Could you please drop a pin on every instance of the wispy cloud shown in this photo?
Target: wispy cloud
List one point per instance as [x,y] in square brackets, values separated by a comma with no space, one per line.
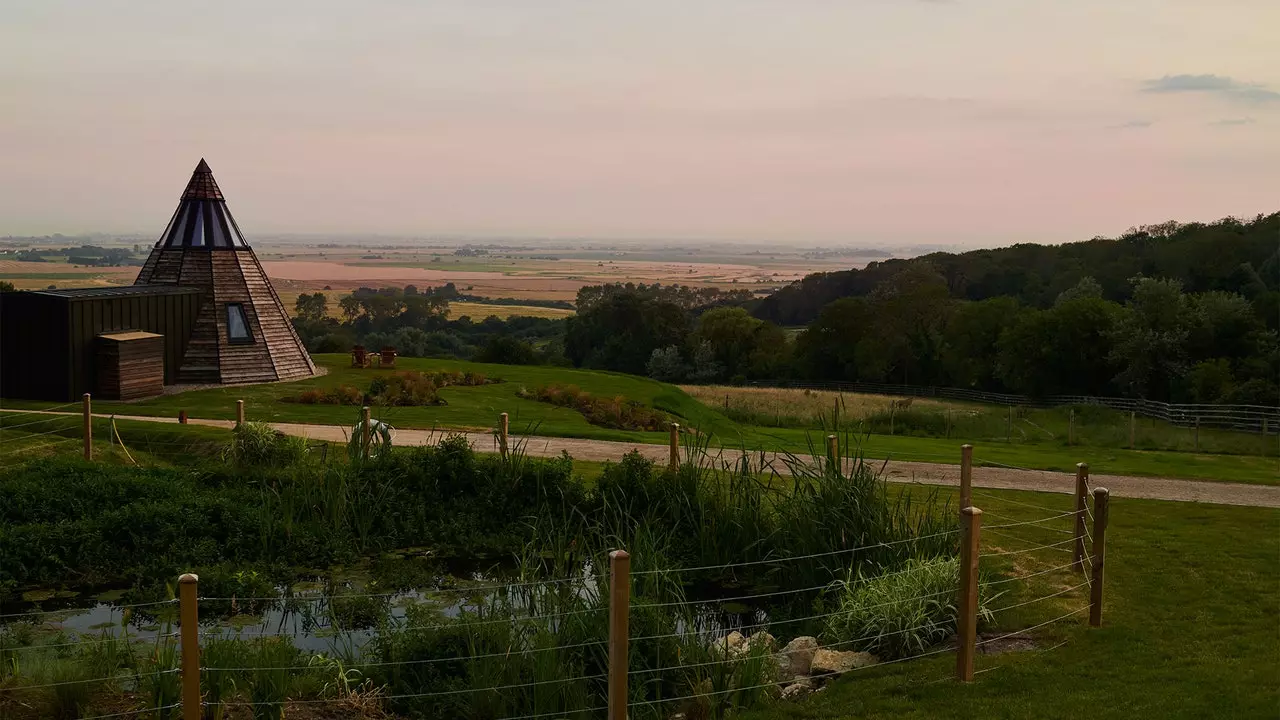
[1213,84]
[1131,125]
[1229,122]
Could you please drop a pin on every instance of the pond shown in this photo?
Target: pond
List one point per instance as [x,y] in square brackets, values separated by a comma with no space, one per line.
[340,611]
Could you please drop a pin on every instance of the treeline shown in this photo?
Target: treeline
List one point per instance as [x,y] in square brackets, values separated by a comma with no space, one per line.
[416,323]
[1228,255]
[1160,342]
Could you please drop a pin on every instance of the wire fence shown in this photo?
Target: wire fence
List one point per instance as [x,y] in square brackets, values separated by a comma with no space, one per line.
[701,628]
[1249,418]
[746,661]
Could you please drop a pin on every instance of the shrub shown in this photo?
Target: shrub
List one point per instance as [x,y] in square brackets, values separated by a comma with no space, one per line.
[901,613]
[341,395]
[618,412]
[416,388]
[255,444]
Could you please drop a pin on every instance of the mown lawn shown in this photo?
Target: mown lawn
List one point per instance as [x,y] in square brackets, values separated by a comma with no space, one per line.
[1191,612]
[478,408]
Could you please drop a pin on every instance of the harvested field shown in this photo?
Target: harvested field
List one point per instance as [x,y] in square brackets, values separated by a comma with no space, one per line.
[807,407]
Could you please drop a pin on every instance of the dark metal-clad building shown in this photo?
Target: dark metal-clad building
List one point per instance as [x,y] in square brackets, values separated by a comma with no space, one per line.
[48,338]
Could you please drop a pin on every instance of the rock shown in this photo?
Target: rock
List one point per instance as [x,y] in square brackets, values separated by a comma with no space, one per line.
[760,640]
[801,687]
[733,640]
[797,657]
[835,661]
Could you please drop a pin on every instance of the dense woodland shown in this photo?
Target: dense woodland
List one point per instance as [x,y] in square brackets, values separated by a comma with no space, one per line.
[1187,313]
[1167,312]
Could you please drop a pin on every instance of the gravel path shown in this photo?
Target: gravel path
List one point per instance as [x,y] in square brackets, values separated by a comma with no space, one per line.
[895,470]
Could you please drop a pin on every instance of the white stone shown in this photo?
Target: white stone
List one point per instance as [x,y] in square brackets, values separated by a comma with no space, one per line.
[760,640]
[797,657]
[835,661]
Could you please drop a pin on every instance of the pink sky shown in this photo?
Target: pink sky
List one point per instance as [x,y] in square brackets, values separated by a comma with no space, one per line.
[791,121]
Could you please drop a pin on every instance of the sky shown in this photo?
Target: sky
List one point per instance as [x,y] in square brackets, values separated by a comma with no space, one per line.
[859,122]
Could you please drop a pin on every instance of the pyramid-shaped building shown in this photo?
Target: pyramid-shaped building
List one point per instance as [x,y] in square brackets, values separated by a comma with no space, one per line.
[241,332]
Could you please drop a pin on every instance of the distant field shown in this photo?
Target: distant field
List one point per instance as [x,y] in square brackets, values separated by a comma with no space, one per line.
[484,310]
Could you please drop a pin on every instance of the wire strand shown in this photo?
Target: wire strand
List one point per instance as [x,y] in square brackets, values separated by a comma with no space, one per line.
[756,687]
[90,641]
[89,682]
[1024,577]
[1033,627]
[1050,546]
[428,661]
[112,608]
[1039,599]
[797,557]
[482,588]
[779,653]
[134,712]
[441,693]
[1031,522]
[795,620]
[459,625]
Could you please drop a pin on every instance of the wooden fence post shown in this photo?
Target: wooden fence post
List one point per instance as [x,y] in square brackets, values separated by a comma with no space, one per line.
[1101,502]
[1133,429]
[190,632]
[619,614]
[833,450]
[504,427]
[673,442]
[182,417]
[1009,427]
[365,432]
[948,422]
[966,476]
[87,407]
[1082,500]
[967,621]
[239,412]
[1071,428]
[1197,433]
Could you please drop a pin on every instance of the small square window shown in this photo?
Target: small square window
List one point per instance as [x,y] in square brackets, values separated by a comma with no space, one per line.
[237,324]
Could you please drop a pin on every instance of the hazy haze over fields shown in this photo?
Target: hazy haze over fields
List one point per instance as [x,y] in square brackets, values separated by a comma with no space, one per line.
[871,122]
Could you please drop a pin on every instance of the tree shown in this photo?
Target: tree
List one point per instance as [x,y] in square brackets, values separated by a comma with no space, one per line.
[826,348]
[312,306]
[621,330]
[1066,349]
[506,350]
[1150,339]
[6,286]
[667,365]
[1086,288]
[970,350]
[731,333]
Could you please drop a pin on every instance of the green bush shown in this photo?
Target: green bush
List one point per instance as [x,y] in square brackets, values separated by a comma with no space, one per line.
[257,444]
[900,613]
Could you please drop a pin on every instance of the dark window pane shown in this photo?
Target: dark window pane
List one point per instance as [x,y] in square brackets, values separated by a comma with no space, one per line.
[237,323]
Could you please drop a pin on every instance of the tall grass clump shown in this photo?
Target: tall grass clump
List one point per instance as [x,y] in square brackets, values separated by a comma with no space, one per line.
[270,680]
[255,444]
[159,679]
[902,613]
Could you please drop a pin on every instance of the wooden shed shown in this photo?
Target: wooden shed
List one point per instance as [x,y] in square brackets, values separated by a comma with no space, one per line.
[48,338]
[130,365]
